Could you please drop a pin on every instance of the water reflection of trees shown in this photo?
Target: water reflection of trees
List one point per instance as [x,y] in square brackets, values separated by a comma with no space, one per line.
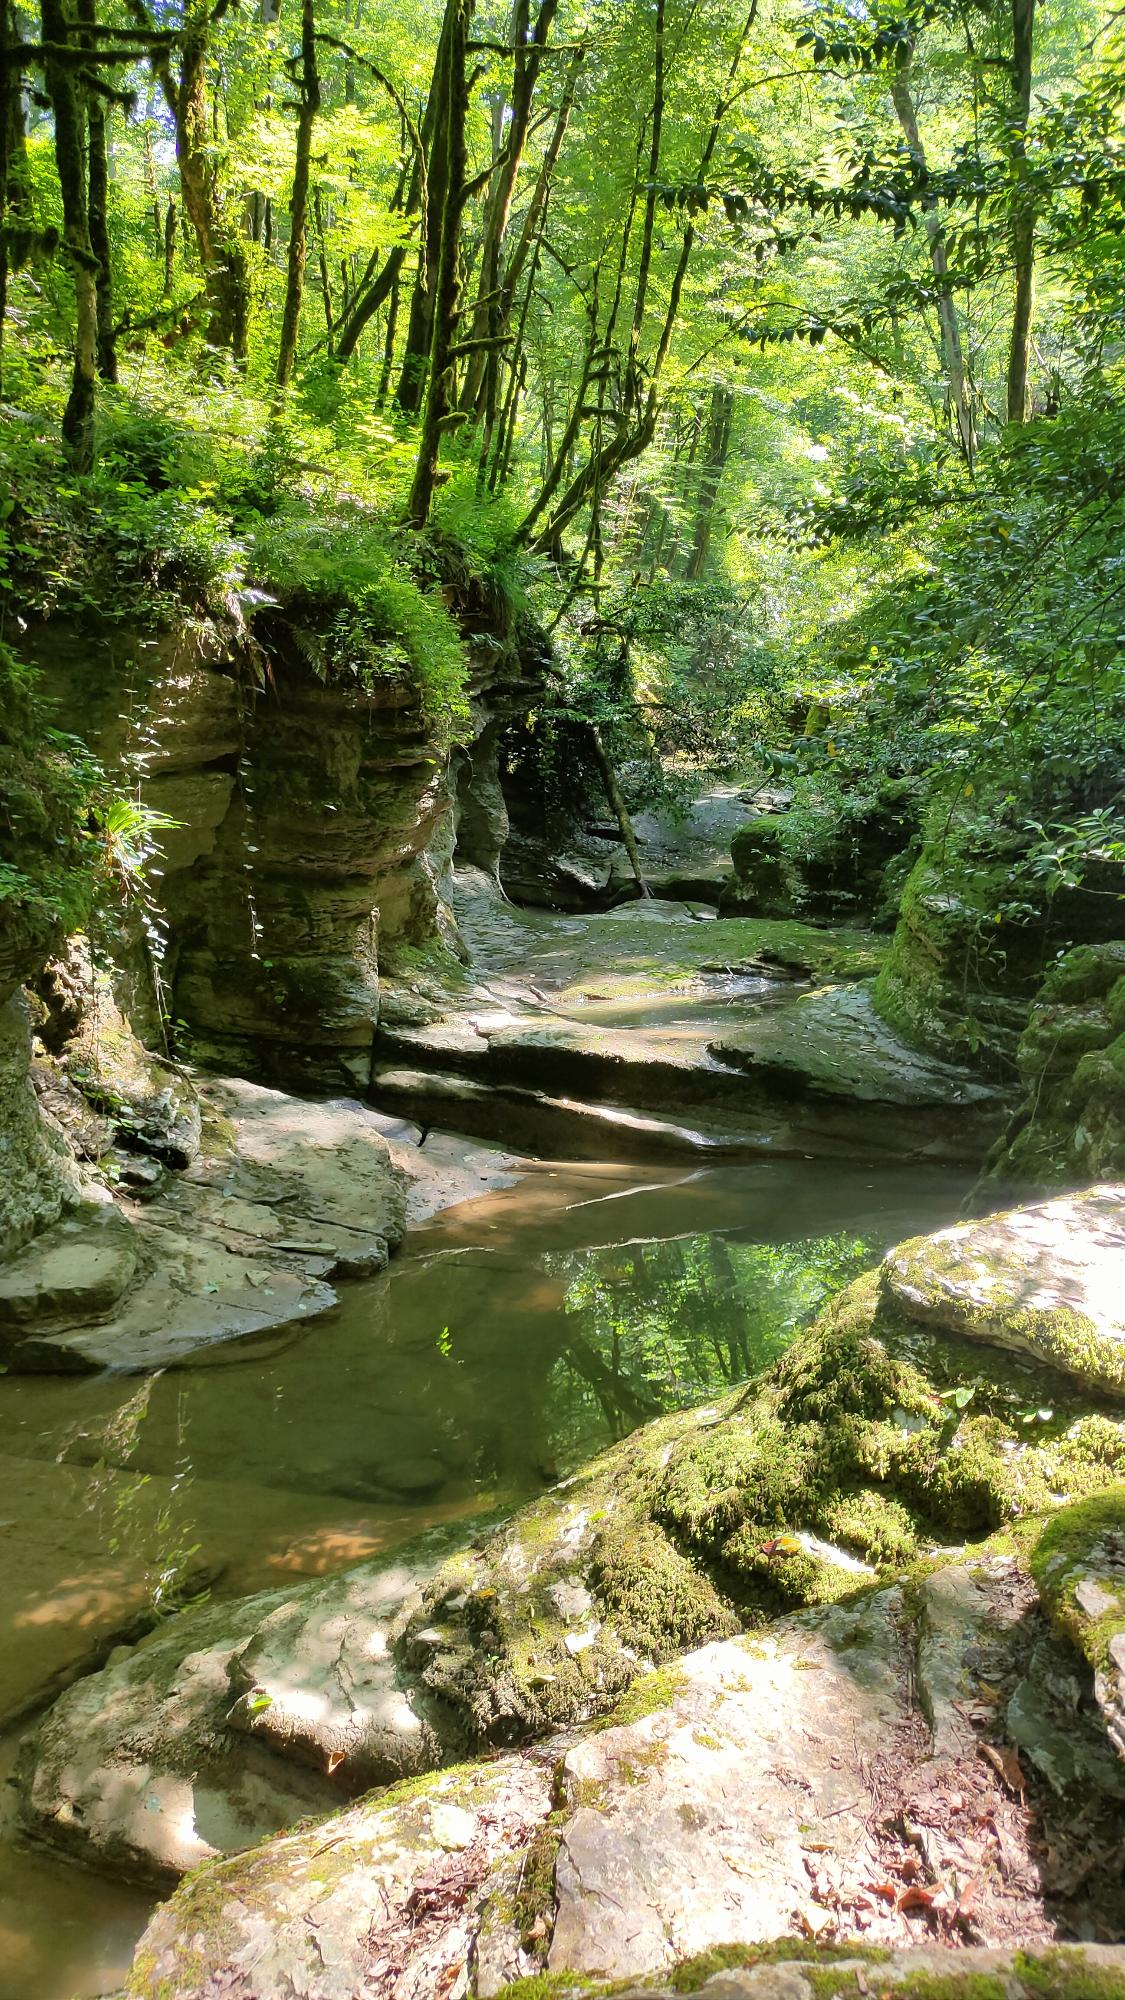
[654,1325]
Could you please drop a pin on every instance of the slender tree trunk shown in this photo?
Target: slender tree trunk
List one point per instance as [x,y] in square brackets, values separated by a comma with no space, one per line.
[527,61]
[98,203]
[59,76]
[12,147]
[1023,212]
[714,461]
[221,252]
[325,275]
[619,808]
[384,388]
[299,200]
[952,352]
[438,412]
[363,310]
[435,134]
[171,217]
[644,264]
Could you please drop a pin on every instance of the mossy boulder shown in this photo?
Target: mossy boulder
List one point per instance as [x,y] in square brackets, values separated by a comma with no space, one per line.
[973,942]
[762,884]
[1069,1125]
[868,1444]
[761,1782]
[1044,1280]
[1079,1565]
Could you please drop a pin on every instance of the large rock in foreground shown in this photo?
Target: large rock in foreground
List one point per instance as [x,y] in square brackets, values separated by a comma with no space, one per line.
[1048,1281]
[849,1774]
[871,1444]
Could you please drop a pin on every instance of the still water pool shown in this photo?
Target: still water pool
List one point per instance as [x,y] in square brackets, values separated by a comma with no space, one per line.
[515,1336]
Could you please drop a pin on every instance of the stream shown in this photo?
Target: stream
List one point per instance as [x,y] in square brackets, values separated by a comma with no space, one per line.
[515,1336]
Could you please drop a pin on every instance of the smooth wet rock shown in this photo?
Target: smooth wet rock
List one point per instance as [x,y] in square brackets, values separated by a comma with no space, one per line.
[1047,1280]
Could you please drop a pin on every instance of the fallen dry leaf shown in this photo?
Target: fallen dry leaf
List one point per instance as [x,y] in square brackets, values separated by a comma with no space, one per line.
[1005,1761]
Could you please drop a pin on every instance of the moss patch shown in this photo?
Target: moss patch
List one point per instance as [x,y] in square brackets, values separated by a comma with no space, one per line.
[868,1434]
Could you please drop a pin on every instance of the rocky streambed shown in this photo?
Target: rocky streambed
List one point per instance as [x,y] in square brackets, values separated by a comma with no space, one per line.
[838,1655]
[646,1566]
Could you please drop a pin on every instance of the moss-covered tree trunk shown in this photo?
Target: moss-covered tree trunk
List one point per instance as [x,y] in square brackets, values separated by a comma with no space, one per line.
[436,137]
[70,160]
[13,149]
[221,251]
[98,200]
[710,478]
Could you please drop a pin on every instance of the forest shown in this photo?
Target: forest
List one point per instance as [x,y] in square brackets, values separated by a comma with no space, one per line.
[562,707]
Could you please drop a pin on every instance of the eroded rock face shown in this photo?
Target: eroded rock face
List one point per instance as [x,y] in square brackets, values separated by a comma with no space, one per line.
[1070,1124]
[38,1177]
[306,851]
[1047,1280]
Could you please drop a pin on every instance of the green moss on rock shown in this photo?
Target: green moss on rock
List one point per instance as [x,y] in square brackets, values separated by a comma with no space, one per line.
[867,1436]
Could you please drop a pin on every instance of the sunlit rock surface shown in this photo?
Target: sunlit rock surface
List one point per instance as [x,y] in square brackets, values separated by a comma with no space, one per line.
[826,1778]
[1047,1280]
[870,1445]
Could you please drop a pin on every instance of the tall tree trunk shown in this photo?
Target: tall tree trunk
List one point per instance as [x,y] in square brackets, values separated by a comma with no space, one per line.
[644,263]
[171,217]
[438,411]
[98,203]
[953,357]
[299,199]
[1023,212]
[13,184]
[707,491]
[59,76]
[325,275]
[528,44]
[221,251]
[435,135]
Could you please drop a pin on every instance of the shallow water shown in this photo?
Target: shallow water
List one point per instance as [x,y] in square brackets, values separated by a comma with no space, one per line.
[515,1336]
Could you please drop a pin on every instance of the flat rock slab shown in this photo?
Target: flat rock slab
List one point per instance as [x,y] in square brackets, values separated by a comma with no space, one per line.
[700,1818]
[80,1267]
[287,1196]
[1047,1281]
[835,1043]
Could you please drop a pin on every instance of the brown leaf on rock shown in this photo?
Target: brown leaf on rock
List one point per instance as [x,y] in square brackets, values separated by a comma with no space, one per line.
[1005,1761]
